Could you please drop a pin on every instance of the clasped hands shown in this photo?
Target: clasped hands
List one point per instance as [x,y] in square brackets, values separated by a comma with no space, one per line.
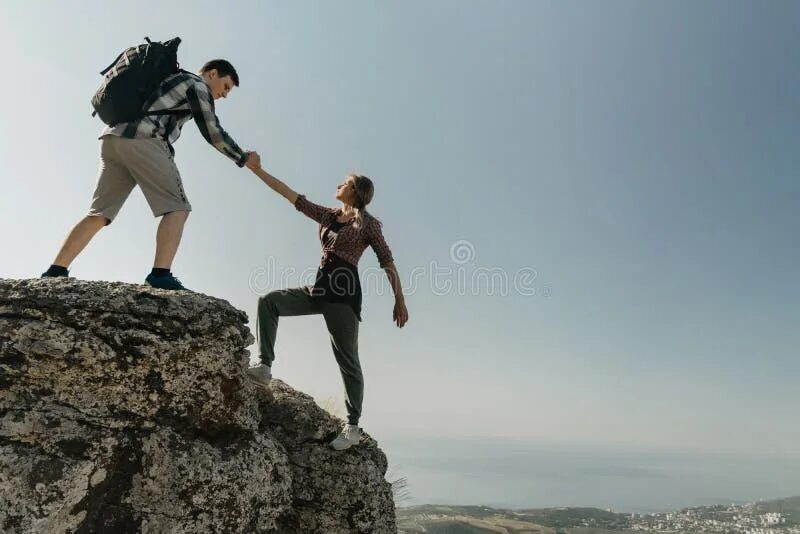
[253,161]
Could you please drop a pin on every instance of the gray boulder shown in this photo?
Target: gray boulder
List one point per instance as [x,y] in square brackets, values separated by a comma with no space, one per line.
[125,409]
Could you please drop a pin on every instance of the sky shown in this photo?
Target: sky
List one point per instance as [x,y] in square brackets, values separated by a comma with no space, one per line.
[627,171]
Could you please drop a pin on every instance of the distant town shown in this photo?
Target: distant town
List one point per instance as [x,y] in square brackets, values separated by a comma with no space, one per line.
[781,516]
[748,519]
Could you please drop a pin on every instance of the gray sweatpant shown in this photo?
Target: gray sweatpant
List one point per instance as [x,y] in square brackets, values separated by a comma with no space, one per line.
[342,325]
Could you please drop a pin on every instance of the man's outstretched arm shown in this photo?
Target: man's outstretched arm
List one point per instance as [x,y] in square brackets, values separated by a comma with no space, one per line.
[202,105]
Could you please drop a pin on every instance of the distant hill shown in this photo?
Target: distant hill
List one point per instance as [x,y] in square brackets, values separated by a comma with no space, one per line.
[451,519]
[482,519]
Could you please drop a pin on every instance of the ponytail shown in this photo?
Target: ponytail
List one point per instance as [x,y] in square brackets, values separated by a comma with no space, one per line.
[365,190]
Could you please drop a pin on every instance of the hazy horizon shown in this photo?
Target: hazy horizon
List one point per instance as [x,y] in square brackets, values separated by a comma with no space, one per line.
[523,475]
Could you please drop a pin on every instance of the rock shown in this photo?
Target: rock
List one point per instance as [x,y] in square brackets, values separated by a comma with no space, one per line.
[125,408]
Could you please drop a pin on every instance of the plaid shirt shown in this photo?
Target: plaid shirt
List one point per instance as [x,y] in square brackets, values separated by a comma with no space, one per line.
[187,92]
[350,242]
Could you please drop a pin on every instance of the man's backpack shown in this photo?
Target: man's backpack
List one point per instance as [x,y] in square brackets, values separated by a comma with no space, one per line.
[132,79]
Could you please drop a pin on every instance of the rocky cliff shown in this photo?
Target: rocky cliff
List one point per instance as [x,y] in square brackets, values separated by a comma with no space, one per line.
[125,409]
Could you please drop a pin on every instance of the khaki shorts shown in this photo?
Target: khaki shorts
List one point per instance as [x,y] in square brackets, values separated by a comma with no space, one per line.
[146,162]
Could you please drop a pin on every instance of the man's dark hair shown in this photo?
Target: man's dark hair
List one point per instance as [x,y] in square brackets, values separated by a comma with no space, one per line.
[224,68]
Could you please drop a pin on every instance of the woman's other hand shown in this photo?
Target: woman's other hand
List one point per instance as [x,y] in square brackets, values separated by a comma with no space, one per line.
[400,313]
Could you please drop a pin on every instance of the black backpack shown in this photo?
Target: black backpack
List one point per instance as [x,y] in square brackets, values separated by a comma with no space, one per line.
[132,79]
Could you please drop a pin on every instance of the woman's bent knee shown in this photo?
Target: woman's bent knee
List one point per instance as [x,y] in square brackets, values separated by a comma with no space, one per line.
[268,299]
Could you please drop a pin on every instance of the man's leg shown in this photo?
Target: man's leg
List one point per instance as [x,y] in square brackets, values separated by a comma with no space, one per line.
[78,238]
[151,164]
[157,175]
[114,184]
[168,238]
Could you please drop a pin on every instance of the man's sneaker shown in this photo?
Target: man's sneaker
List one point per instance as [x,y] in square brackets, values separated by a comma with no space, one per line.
[168,281]
[51,275]
[349,436]
[55,272]
[260,374]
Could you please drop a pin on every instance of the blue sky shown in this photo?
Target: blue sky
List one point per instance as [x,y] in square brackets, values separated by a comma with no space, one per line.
[640,157]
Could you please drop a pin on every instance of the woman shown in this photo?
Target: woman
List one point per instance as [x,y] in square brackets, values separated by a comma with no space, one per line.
[336,294]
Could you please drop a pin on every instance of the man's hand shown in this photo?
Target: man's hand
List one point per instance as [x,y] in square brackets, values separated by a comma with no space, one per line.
[400,313]
[253,161]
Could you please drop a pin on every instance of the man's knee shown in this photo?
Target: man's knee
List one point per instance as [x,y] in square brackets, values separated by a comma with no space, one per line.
[178,214]
[98,220]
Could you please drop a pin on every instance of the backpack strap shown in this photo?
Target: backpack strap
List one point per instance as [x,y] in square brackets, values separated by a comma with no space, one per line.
[105,70]
[168,112]
[161,112]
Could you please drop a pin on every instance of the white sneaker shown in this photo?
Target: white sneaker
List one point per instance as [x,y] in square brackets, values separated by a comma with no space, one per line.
[260,374]
[349,436]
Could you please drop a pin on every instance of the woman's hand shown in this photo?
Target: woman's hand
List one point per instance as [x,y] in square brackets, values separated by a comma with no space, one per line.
[400,313]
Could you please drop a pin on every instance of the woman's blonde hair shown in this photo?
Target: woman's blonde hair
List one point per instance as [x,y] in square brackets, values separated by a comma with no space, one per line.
[364,191]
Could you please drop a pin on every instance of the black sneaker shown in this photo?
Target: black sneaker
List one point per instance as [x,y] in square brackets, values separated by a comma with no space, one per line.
[168,281]
[51,273]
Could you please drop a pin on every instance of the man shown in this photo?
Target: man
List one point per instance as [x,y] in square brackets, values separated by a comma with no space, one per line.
[140,153]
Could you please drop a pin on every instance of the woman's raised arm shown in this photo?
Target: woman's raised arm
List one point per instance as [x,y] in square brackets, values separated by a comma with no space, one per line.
[301,203]
[276,185]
